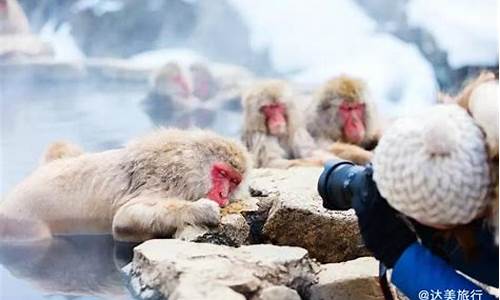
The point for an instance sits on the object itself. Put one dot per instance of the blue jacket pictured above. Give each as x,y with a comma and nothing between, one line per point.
420,274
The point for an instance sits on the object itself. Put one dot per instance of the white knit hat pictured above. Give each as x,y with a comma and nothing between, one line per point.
433,167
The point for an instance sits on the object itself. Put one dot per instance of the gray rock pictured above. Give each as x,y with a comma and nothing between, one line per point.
278,293
297,217
353,280
178,269
42,69
117,70
15,47
234,229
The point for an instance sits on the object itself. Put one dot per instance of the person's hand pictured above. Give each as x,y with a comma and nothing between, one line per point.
385,234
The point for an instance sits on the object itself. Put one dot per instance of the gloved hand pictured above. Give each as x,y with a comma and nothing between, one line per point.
385,234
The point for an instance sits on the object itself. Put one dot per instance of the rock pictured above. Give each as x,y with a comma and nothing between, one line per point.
21,46
177,269
278,293
185,292
117,69
353,280
297,217
234,229
124,28
42,69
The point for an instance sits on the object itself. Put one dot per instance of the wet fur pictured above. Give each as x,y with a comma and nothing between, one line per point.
154,186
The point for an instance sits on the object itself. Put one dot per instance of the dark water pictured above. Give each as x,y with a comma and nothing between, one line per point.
96,116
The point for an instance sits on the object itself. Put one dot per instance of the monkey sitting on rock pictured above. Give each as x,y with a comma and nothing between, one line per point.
273,130
343,120
154,187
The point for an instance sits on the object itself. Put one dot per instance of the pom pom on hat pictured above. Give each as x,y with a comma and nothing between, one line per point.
434,167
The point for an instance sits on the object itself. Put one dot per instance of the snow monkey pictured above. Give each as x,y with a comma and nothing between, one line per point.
182,95
170,81
204,83
156,186
342,118
273,130
480,98
12,18
170,96
60,149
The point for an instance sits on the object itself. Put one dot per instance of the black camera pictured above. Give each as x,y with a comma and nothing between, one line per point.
342,183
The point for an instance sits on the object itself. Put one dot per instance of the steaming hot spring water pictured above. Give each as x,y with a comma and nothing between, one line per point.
97,115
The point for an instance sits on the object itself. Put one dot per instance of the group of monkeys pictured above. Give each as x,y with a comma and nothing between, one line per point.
172,180
340,122
281,127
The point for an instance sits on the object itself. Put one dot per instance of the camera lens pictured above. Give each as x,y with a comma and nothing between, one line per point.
333,184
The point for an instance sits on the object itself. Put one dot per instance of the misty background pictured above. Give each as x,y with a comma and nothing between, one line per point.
91,88
406,50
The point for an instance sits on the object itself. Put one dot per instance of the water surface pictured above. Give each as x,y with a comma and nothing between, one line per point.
97,116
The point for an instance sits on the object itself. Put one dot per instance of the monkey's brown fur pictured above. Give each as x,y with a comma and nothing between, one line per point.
342,87
162,81
154,187
324,122
351,152
480,98
294,148
204,84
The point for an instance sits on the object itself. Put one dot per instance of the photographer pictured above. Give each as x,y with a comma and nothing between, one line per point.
423,212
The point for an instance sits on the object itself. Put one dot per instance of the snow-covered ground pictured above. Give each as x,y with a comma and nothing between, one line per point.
62,41
156,58
465,29
319,39
312,41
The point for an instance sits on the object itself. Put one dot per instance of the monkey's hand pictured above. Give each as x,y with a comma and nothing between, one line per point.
351,152
195,220
152,216
203,212
305,162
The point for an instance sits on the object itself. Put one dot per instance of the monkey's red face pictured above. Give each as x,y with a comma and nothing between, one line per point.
352,116
203,84
224,179
275,116
180,85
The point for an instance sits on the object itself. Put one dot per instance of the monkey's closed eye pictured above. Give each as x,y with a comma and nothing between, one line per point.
326,106
223,173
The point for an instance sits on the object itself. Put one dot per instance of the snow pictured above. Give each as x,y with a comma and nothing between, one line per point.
156,58
98,7
315,40
312,41
61,40
465,29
